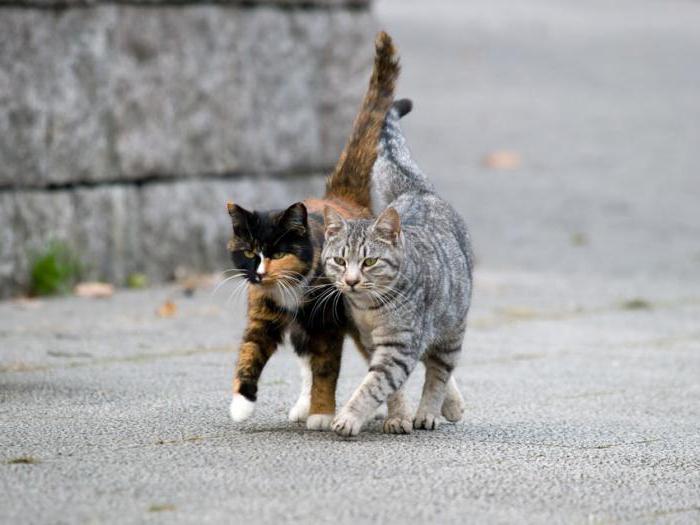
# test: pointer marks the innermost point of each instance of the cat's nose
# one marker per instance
(351, 281)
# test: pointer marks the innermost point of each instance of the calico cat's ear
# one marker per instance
(333, 221)
(239, 217)
(387, 227)
(294, 218)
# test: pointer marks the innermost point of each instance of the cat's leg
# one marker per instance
(260, 340)
(300, 342)
(390, 366)
(300, 411)
(438, 371)
(399, 419)
(453, 406)
(382, 412)
(326, 352)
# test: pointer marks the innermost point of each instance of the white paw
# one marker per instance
(346, 424)
(241, 409)
(426, 421)
(319, 421)
(398, 425)
(300, 411)
(453, 410)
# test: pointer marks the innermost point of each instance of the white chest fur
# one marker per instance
(289, 298)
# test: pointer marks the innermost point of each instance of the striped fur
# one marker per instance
(406, 278)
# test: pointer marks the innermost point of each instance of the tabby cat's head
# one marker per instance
(363, 257)
(272, 246)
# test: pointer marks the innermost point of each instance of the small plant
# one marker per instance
(137, 281)
(54, 270)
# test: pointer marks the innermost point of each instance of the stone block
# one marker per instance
(185, 224)
(7, 241)
(119, 92)
(107, 231)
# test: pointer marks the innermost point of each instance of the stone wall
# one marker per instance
(125, 127)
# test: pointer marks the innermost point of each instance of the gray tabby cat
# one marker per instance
(406, 278)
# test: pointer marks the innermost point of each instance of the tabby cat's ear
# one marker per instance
(333, 221)
(294, 218)
(239, 216)
(387, 227)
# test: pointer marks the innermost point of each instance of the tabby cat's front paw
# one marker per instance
(346, 424)
(241, 408)
(319, 422)
(426, 421)
(398, 425)
(453, 410)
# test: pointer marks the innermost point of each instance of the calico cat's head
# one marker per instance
(363, 257)
(272, 246)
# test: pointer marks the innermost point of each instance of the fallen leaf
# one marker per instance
(579, 239)
(502, 160)
(94, 290)
(23, 460)
(162, 507)
(167, 309)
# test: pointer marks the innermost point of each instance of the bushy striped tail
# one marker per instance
(351, 178)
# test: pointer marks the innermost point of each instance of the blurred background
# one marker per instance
(565, 132)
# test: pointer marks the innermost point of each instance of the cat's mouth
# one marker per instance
(264, 280)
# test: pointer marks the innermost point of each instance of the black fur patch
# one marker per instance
(269, 232)
(249, 391)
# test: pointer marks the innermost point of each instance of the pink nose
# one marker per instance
(352, 281)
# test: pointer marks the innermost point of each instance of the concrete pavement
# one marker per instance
(582, 363)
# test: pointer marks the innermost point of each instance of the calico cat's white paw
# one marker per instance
(300, 411)
(426, 421)
(453, 410)
(319, 422)
(241, 408)
(346, 424)
(398, 425)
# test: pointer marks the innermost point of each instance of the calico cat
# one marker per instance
(406, 279)
(278, 252)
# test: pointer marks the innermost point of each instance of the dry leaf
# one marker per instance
(167, 309)
(502, 160)
(579, 239)
(94, 290)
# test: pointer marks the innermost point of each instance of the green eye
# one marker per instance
(278, 255)
(370, 261)
(339, 260)
(249, 254)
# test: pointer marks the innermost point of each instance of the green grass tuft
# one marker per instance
(137, 281)
(54, 270)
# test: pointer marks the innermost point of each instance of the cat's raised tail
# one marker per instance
(351, 178)
(395, 172)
